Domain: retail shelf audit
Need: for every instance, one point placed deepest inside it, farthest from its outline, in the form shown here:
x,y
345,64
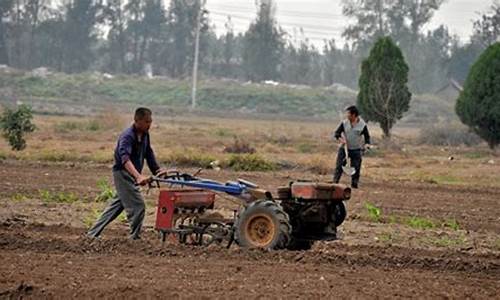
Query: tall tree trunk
x,y
386,129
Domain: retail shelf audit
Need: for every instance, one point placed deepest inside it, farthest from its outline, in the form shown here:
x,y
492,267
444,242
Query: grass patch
x,y
224,132
106,191
374,212
90,218
305,148
388,237
17,197
475,155
374,152
451,223
249,162
69,126
446,242
58,197
497,244
319,164
420,223
436,178
57,156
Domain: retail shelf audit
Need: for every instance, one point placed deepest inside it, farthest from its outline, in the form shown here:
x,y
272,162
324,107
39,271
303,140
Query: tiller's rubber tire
x,y
263,224
339,214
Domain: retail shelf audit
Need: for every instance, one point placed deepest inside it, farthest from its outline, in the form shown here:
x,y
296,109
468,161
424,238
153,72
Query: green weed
x,y
305,148
374,213
106,191
122,217
452,223
420,223
224,132
387,237
475,155
57,197
93,125
89,219
19,197
447,241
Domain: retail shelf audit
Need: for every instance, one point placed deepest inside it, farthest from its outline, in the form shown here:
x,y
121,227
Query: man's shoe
x,y
354,185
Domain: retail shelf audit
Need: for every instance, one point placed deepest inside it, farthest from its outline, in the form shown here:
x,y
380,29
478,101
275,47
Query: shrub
x,y
15,124
447,135
250,162
239,146
479,103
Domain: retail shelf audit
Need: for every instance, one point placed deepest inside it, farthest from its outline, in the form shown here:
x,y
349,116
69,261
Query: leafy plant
x,y
420,223
91,217
15,124
106,191
452,223
374,213
57,197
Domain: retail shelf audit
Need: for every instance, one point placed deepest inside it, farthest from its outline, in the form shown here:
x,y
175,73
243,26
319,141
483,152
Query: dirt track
x,y
54,260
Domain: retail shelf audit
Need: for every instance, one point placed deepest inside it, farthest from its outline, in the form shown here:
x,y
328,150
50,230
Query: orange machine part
x,y
171,199
320,191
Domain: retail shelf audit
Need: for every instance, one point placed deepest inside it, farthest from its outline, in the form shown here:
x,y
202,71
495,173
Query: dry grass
x,y
189,141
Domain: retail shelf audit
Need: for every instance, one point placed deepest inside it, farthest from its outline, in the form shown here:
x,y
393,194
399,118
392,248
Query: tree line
x,y
138,36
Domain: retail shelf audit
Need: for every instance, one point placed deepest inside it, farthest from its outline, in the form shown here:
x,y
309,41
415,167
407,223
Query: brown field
x,y
437,236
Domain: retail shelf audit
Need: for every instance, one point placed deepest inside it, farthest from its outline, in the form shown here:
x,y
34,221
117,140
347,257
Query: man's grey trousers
x,y
128,197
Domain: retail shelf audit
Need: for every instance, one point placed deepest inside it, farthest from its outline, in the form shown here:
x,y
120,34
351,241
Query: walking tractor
x,y
294,218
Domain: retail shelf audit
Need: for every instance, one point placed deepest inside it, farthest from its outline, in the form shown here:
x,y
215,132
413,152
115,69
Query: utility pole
x,y
196,53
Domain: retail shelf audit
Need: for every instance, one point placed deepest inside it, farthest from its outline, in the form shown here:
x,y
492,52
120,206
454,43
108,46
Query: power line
x,y
303,25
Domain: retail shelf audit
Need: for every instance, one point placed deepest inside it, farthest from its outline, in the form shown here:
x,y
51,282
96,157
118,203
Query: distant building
x,y
450,91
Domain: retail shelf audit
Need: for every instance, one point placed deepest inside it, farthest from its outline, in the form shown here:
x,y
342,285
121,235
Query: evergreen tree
x,y
383,93
263,45
479,103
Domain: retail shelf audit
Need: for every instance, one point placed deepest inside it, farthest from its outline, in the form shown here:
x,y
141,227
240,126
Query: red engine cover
x,y
169,200
320,191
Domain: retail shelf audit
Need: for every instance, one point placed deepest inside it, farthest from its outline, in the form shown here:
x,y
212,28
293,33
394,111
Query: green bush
x,y
383,93
15,124
249,162
479,103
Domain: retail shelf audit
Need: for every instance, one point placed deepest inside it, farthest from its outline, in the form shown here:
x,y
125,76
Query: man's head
x,y
352,113
143,119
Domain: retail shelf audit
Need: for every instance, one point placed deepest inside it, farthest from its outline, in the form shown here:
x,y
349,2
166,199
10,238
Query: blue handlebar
x,y
234,189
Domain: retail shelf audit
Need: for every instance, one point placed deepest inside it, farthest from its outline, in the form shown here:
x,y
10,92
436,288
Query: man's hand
x,y
142,180
341,140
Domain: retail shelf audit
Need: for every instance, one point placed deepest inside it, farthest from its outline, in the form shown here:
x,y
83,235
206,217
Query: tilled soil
x,y
44,254
55,261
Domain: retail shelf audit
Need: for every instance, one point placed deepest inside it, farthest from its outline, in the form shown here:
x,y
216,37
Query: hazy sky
x,y
323,18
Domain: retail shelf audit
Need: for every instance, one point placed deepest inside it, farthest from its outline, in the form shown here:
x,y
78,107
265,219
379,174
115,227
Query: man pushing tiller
x,y
349,134
132,148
